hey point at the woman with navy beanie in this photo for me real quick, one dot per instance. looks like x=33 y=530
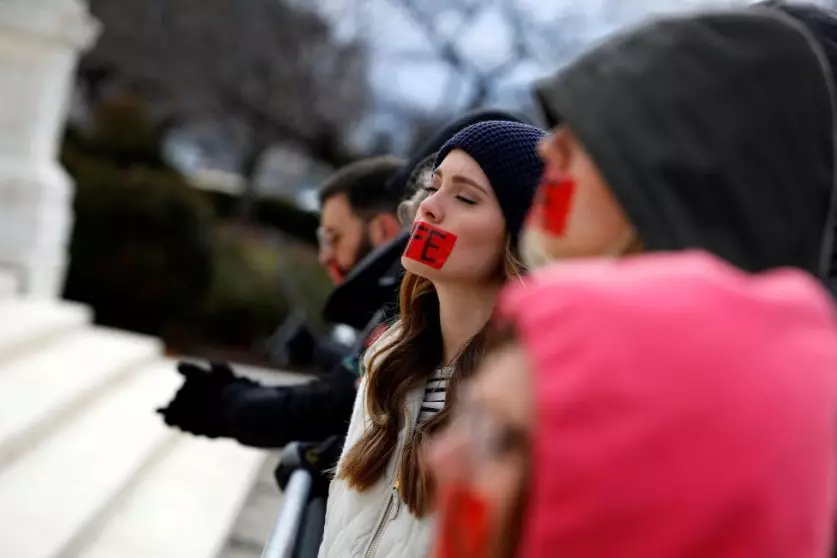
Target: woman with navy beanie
x=461 y=252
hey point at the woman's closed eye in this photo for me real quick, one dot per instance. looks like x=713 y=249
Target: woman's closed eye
x=431 y=189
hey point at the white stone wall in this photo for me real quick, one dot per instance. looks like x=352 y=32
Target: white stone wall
x=40 y=42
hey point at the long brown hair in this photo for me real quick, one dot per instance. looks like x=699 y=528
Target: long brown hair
x=404 y=361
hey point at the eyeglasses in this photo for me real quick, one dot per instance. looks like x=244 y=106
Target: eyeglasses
x=325 y=239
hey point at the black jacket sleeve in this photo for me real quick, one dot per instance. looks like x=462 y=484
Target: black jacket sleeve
x=305 y=349
x=217 y=403
x=270 y=417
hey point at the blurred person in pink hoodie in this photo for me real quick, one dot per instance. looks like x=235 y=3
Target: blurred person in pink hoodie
x=658 y=406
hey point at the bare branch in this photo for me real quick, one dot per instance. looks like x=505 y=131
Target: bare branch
x=266 y=63
x=444 y=46
x=464 y=68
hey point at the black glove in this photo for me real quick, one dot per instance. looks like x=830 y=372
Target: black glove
x=318 y=458
x=195 y=407
x=301 y=347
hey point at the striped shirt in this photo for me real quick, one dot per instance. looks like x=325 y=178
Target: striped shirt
x=434 y=393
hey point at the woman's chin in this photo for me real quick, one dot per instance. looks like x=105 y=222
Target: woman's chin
x=420 y=269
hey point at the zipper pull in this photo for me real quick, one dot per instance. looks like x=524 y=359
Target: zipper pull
x=396 y=498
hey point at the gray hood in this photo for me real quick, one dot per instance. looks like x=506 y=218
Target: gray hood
x=714 y=131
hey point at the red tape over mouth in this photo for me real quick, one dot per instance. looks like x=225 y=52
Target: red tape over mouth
x=430 y=245
x=463 y=524
x=552 y=205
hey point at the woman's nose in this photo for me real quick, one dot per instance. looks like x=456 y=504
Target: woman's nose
x=431 y=209
x=448 y=458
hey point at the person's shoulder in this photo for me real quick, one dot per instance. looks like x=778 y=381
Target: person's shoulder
x=384 y=336
x=382 y=344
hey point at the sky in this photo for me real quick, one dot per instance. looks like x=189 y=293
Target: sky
x=406 y=75
x=420 y=83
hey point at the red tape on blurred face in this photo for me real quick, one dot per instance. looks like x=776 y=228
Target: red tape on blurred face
x=463 y=530
x=430 y=245
x=553 y=202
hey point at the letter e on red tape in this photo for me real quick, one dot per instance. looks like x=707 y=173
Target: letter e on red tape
x=430 y=245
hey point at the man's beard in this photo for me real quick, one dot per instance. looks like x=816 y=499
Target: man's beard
x=364 y=249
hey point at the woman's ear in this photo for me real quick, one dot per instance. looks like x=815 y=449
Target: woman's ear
x=382 y=228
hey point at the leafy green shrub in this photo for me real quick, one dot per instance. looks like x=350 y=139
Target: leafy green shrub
x=149 y=253
x=273 y=212
x=141 y=249
x=310 y=280
x=245 y=301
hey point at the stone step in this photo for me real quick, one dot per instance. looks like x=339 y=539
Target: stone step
x=51 y=495
x=42 y=390
x=184 y=506
x=26 y=324
x=8 y=285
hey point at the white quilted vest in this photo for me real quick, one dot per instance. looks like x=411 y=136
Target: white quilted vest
x=375 y=522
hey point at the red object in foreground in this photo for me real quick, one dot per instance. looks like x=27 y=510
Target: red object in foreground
x=430 y=245
x=376 y=333
x=552 y=205
x=334 y=273
x=463 y=527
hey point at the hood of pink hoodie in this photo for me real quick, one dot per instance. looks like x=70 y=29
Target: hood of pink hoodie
x=684 y=410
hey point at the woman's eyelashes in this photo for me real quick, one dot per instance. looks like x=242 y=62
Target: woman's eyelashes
x=463 y=198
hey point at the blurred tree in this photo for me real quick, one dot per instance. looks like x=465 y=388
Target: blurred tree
x=526 y=40
x=122 y=134
x=425 y=14
x=262 y=69
x=151 y=253
x=141 y=248
x=531 y=40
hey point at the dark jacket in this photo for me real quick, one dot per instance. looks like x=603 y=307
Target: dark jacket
x=369 y=286
x=713 y=131
x=270 y=417
x=261 y=416
x=217 y=403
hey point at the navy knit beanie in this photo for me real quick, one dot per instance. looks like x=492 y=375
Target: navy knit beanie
x=400 y=182
x=507 y=153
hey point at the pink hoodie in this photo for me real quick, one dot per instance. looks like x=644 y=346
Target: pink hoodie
x=684 y=410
